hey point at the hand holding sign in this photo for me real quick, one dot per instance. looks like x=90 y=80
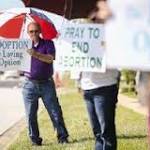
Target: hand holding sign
x=31 y=52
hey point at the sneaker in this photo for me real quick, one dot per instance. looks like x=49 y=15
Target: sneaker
x=37 y=142
x=63 y=141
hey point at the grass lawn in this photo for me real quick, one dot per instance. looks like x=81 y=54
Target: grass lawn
x=131 y=128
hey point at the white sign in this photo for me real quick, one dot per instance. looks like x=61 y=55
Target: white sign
x=81 y=49
x=13 y=55
x=128 y=35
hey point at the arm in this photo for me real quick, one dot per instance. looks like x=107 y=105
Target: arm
x=47 y=58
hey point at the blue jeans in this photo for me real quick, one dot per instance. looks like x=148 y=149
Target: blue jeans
x=101 y=104
x=32 y=91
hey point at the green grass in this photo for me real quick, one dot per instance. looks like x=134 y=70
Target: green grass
x=131 y=128
x=130 y=94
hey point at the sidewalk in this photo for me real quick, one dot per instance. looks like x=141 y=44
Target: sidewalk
x=11 y=108
x=132 y=103
x=11 y=114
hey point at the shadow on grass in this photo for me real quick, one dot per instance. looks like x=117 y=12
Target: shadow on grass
x=131 y=136
x=84 y=139
x=71 y=141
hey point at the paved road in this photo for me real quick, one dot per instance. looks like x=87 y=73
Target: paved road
x=11 y=107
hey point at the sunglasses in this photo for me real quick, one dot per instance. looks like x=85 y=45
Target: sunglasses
x=34 y=31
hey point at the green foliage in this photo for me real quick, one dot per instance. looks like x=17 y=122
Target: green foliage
x=127 y=83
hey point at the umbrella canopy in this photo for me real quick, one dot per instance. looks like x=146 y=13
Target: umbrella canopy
x=70 y=8
x=14 y=22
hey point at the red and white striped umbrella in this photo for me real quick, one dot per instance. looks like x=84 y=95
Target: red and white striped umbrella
x=14 y=22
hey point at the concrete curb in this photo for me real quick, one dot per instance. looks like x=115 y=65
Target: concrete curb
x=6 y=138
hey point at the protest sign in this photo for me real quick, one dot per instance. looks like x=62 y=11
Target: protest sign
x=13 y=55
x=81 y=48
x=128 y=35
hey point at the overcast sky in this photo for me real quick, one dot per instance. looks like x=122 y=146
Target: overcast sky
x=5 y=4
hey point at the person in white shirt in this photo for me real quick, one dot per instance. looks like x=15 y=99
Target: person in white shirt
x=100 y=92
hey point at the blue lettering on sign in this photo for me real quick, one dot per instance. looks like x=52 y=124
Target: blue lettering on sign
x=141 y=41
x=133 y=12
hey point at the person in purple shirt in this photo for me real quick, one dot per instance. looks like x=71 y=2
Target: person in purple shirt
x=39 y=84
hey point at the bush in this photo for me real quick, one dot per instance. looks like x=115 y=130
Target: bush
x=127 y=82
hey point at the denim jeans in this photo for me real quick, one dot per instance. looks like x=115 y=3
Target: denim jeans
x=32 y=91
x=101 y=104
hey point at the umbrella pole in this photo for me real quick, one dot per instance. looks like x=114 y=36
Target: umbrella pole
x=65 y=10
x=23 y=28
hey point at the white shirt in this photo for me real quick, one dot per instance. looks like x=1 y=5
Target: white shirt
x=93 y=80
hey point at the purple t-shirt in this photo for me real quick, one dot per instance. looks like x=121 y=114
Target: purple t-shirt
x=41 y=70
